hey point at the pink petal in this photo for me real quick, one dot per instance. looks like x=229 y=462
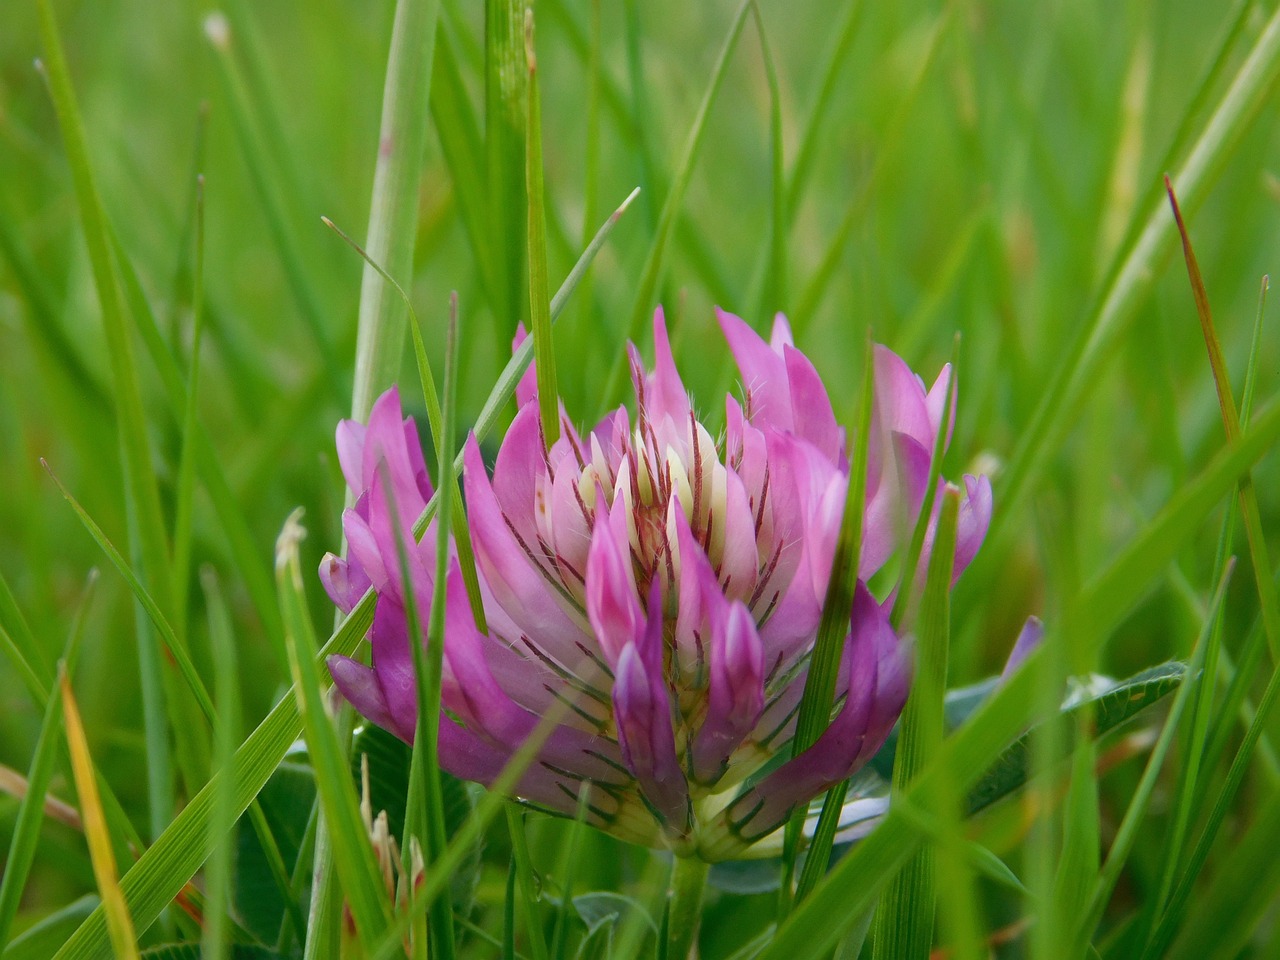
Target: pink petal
x=527 y=388
x=519 y=584
x=613 y=605
x=764 y=374
x=815 y=421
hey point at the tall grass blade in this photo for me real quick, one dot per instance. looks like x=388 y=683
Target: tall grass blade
x=536 y=238
x=18 y=643
x=1126 y=836
x=264 y=171
x=773 y=295
x=186 y=461
x=353 y=854
x=221 y=839
x=393 y=213
x=655 y=261
x=1079 y=369
x=523 y=866
x=905 y=918
x=505 y=75
x=148 y=537
x=1258 y=553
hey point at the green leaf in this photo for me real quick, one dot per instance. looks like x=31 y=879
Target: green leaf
x=1112 y=704
x=603 y=907
x=286 y=801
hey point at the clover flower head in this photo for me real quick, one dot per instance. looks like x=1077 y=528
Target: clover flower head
x=664 y=583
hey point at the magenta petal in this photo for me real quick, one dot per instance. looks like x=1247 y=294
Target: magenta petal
x=527 y=388
x=350 y=441
x=1030 y=637
x=876 y=693
x=516 y=472
x=815 y=421
x=900 y=398
x=936 y=403
x=358 y=684
x=516 y=580
x=388 y=439
x=739 y=561
x=645 y=732
x=393 y=663
x=698 y=591
x=736 y=696
x=665 y=396
x=781 y=337
x=469 y=690
x=974 y=519
x=892 y=510
x=345 y=582
x=613 y=606
x=764 y=374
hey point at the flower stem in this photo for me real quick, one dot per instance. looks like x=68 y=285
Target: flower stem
x=684 y=905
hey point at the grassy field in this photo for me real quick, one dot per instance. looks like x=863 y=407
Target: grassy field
x=990 y=168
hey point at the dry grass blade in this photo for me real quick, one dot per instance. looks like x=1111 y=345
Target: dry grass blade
x=119 y=924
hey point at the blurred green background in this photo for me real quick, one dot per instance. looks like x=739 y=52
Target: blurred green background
x=977 y=169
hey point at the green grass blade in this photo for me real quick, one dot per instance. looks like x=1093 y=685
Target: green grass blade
x=352 y=853
x=893 y=140
x=19 y=645
x=147 y=603
x=177 y=854
x=816 y=129
x=1126 y=836
x=773 y=297
x=1258 y=552
x=461 y=143
x=828 y=647
x=149 y=541
x=264 y=172
x=1229 y=913
x=221 y=838
x=393 y=213
x=536 y=234
x=655 y=261
x=244 y=551
x=905 y=918
x=186 y=461
x=852 y=885
x=505 y=75
x=525 y=881
x=1080 y=367
x=26 y=828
